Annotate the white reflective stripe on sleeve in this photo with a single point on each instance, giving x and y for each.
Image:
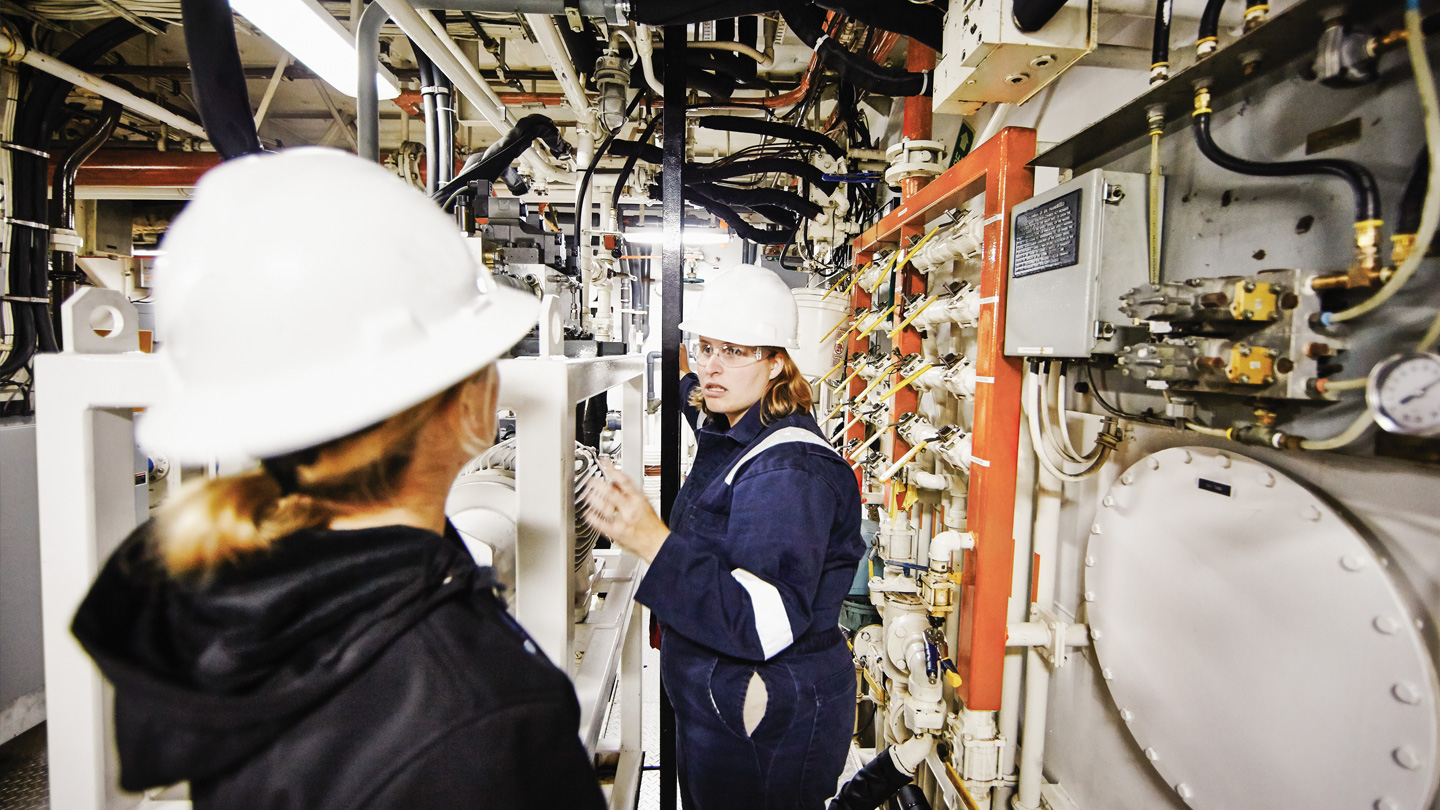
(772, 623)
(781, 436)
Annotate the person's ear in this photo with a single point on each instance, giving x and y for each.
(477, 405)
(777, 364)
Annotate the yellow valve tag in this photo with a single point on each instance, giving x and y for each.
(911, 496)
(953, 678)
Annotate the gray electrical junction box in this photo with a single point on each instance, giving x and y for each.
(1074, 250)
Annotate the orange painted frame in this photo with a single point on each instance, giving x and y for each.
(1000, 169)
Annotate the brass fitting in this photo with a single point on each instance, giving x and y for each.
(1202, 101)
(1255, 16)
(1366, 270)
(1400, 246)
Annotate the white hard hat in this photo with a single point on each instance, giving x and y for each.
(748, 306)
(305, 294)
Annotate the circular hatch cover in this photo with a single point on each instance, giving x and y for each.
(1256, 648)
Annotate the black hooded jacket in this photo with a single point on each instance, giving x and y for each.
(363, 670)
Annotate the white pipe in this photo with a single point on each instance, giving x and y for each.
(1037, 673)
(547, 36)
(11, 49)
(583, 157)
(646, 47)
(734, 47)
(1037, 634)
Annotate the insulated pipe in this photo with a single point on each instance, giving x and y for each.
(547, 36)
(14, 50)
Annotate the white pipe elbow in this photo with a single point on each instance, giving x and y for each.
(908, 755)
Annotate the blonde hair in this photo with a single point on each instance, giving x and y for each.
(212, 522)
(788, 393)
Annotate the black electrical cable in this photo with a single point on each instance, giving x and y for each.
(630, 160)
(709, 173)
(1160, 44)
(920, 21)
(217, 77)
(763, 236)
(582, 216)
(1362, 182)
(63, 276)
(755, 126)
(806, 22)
(752, 197)
(493, 163)
(1116, 412)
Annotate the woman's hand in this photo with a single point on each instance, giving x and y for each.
(684, 360)
(622, 513)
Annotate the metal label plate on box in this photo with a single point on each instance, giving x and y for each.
(1047, 237)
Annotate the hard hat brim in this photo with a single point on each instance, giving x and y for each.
(237, 423)
(731, 333)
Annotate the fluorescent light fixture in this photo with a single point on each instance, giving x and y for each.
(316, 39)
(694, 237)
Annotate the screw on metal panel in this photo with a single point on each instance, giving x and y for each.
(1183, 791)
(1387, 625)
(1090, 561)
(1151, 754)
(1310, 513)
(1097, 634)
(1107, 673)
(1089, 596)
(1127, 715)
(1186, 457)
(1386, 803)
(1406, 757)
(1153, 463)
(1095, 529)
(1267, 479)
(1127, 479)
(1406, 693)
(1351, 562)
(1223, 460)
(1108, 501)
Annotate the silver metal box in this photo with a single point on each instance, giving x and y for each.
(1073, 251)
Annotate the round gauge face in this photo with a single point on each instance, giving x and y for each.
(1404, 394)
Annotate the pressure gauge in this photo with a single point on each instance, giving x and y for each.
(1404, 393)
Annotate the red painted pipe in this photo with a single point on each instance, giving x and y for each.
(143, 167)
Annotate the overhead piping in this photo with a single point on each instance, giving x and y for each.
(548, 38)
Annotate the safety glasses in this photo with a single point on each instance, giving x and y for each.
(726, 355)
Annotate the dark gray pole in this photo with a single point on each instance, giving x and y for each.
(672, 258)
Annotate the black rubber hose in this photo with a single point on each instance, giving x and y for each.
(62, 202)
(631, 158)
(756, 126)
(751, 197)
(911, 797)
(218, 78)
(1160, 44)
(1413, 199)
(737, 66)
(806, 22)
(921, 21)
(1210, 21)
(683, 12)
(743, 229)
(648, 152)
(1032, 15)
(871, 786)
(706, 173)
(496, 160)
(718, 87)
(1362, 182)
(584, 216)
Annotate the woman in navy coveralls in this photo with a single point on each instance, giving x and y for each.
(748, 580)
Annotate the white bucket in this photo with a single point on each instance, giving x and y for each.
(818, 317)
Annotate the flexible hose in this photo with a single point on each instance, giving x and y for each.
(756, 198)
(762, 236)
(1041, 442)
(1357, 429)
(1032, 15)
(218, 78)
(583, 217)
(1059, 385)
(631, 159)
(497, 159)
(775, 129)
(1160, 43)
(1361, 181)
(1430, 212)
(706, 173)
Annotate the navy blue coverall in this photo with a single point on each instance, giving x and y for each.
(764, 541)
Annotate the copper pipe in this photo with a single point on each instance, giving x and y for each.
(786, 99)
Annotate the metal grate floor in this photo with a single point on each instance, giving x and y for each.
(24, 777)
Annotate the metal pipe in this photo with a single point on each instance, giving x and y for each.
(1037, 672)
(63, 277)
(547, 36)
(15, 51)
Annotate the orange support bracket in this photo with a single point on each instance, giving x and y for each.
(998, 168)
